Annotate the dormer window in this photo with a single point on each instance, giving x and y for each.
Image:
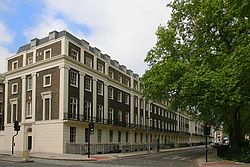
(30, 60)
(14, 65)
(47, 54)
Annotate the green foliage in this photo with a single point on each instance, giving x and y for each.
(201, 61)
(240, 155)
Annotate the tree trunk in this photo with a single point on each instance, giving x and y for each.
(235, 131)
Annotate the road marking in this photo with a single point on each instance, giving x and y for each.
(176, 157)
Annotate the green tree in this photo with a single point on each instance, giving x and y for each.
(201, 63)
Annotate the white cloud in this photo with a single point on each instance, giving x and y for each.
(6, 38)
(124, 29)
(46, 24)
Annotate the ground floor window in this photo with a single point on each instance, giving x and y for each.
(72, 134)
(119, 136)
(110, 136)
(127, 136)
(99, 135)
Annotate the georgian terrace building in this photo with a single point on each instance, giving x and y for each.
(55, 85)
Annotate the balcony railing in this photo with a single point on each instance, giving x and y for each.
(112, 122)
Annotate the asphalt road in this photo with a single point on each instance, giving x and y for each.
(183, 158)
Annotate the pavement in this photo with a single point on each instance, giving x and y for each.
(18, 157)
(214, 161)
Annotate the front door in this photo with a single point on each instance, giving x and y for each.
(29, 143)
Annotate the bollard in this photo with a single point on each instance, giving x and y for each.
(26, 155)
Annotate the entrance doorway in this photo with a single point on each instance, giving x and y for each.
(29, 143)
(29, 139)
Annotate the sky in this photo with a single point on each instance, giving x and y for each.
(123, 29)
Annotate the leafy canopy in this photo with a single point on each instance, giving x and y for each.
(201, 60)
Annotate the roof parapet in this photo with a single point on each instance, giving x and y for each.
(85, 44)
(53, 35)
(130, 72)
(97, 51)
(34, 42)
(123, 68)
(116, 63)
(106, 57)
(136, 76)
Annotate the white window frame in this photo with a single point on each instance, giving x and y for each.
(28, 109)
(44, 80)
(46, 95)
(12, 102)
(44, 54)
(12, 88)
(89, 62)
(90, 84)
(13, 65)
(150, 122)
(29, 83)
(72, 134)
(111, 93)
(87, 109)
(119, 96)
(30, 60)
(73, 79)
(100, 88)
(75, 57)
(111, 115)
(119, 116)
(100, 67)
(73, 105)
(100, 113)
